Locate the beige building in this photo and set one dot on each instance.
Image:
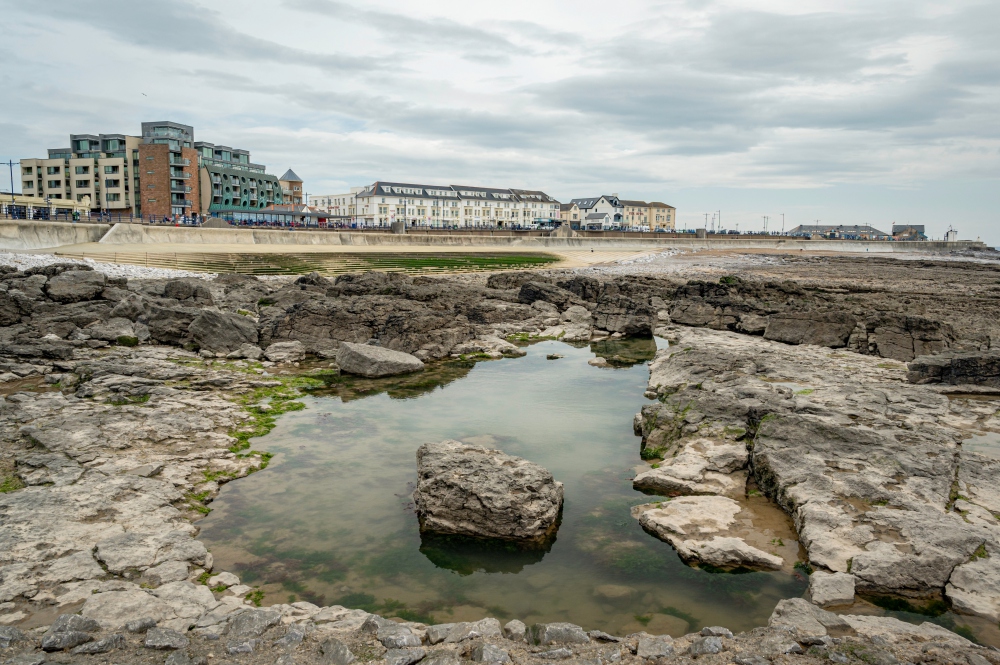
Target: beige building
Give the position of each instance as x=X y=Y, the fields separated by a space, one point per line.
x=662 y=216
x=570 y=212
x=100 y=167
x=635 y=214
x=291 y=188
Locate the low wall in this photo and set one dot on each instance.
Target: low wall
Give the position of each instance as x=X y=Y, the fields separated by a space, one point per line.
x=23 y=235
x=133 y=234
x=29 y=235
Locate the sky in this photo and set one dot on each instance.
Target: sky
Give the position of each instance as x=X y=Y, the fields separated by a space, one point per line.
x=848 y=112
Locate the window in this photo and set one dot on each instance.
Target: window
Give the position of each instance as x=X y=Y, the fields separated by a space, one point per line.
x=82 y=170
x=83 y=184
x=29 y=184
x=150 y=186
x=53 y=184
x=114 y=197
x=56 y=196
x=149 y=159
x=52 y=170
x=110 y=169
x=150 y=200
x=80 y=197
x=150 y=172
x=26 y=170
x=110 y=183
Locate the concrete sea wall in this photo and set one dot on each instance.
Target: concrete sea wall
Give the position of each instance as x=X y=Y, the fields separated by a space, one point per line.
x=128 y=234
x=26 y=235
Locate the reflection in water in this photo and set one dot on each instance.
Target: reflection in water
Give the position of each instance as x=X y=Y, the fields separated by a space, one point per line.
x=625 y=352
x=331 y=519
x=467 y=555
x=348 y=387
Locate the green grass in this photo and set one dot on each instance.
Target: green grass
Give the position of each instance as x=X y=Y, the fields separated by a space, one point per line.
x=806 y=391
x=980 y=553
x=10 y=483
x=804 y=568
x=127 y=340
x=125 y=400
x=256 y=597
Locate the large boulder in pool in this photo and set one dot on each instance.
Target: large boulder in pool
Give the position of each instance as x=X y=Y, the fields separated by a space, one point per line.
x=476 y=491
x=375 y=361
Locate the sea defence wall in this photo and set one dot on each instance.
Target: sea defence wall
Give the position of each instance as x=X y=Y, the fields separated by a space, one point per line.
x=132 y=234
x=28 y=235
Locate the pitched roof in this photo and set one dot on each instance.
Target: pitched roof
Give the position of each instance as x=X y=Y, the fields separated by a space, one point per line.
x=290 y=175
x=598 y=215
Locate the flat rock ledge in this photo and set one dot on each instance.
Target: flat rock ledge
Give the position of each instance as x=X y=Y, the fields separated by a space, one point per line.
x=304 y=634
x=706 y=529
x=374 y=361
x=471 y=490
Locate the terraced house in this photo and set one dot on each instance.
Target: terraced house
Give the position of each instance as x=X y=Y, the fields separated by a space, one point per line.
x=449 y=206
x=610 y=212
x=161 y=172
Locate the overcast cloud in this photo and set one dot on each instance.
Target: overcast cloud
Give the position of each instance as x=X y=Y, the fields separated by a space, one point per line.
x=848 y=112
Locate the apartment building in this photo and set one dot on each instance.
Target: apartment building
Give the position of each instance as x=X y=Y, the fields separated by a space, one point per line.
x=230 y=182
x=98 y=167
x=161 y=172
x=447 y=206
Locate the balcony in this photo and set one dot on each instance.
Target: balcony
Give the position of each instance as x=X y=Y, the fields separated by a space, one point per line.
x=182 y=203
x=216 y=180
x=180 y=188
x=177 y=161
x=179 y=175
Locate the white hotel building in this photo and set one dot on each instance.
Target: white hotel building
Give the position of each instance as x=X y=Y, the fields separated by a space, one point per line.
x=440 y=206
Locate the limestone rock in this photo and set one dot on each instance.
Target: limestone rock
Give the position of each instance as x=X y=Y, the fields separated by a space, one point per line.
x=222 y=331
x=285 y=352
x=253 y=623
x=515 y=630
x=542 y=634
x=403 y=656
x=164 y=639
x=76 y=285
x=488 y=653
x=655 y=646
x=335 y=652
x=953 y=367
x=103 y=645
x=65 y=640
x=821 y=327
x=974 y=588
x=701 y=529
x=473 y=490
x=828 y=589
x=375 y=361
x=115 y=608
x=804 y=617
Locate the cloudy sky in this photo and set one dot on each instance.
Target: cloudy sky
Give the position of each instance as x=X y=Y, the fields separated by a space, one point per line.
x=846 y=112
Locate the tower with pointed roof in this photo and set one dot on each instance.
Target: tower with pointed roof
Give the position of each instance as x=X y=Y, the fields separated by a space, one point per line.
x=291 y=188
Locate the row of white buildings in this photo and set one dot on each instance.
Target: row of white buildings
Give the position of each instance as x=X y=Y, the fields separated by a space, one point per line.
x=449 y=206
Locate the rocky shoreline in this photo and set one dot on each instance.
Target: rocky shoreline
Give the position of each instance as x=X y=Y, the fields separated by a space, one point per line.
x=126 y=403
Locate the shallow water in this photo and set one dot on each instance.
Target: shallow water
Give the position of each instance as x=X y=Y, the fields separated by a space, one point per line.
x=987 y=444
x=331 y=521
